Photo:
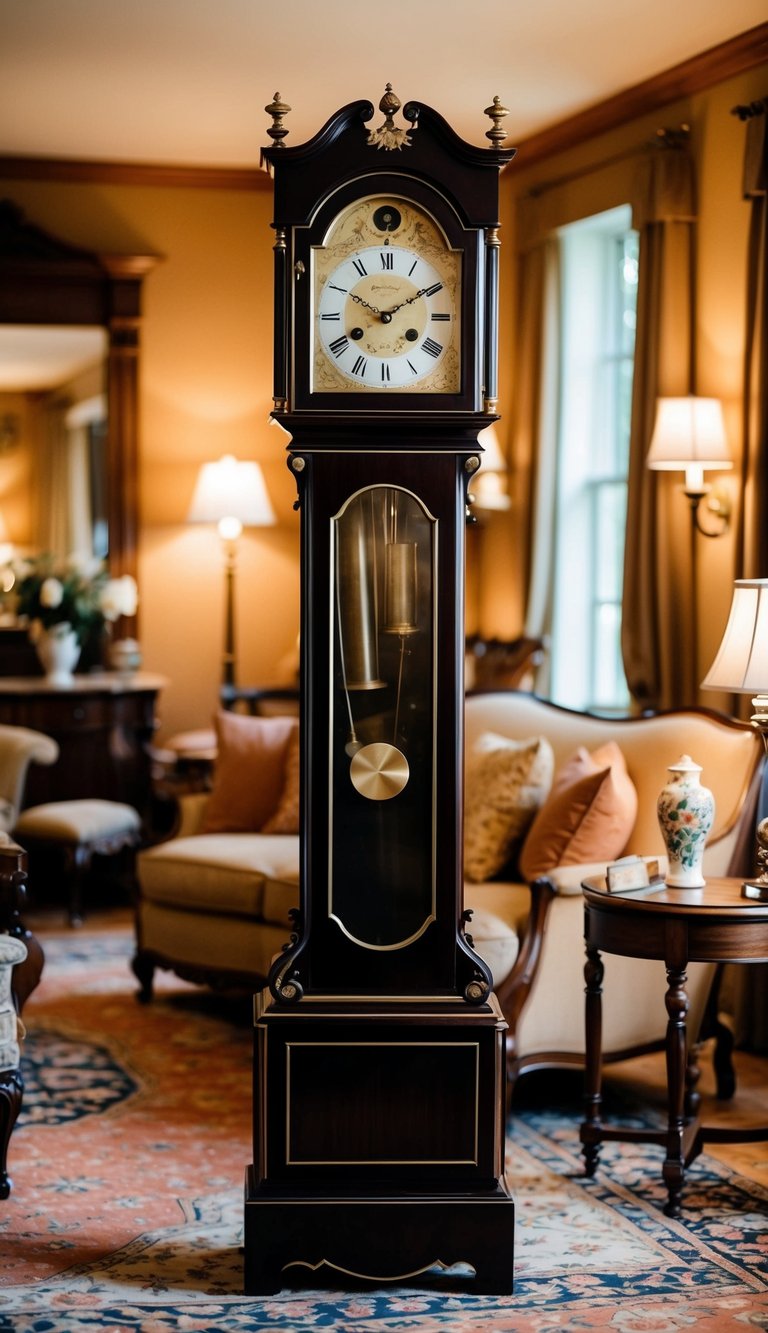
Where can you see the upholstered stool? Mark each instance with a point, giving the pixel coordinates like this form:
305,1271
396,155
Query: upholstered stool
82,829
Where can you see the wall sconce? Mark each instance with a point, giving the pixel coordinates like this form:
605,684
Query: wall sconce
489,486
741,667
689,436
233,495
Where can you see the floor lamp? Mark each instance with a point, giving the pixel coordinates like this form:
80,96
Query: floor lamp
233,495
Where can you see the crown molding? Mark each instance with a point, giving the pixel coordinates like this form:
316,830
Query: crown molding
746,51
133,173
713,66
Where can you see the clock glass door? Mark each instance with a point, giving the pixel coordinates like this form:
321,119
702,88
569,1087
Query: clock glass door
382,735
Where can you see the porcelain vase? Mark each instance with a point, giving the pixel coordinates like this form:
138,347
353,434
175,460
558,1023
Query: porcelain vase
59,650
685,811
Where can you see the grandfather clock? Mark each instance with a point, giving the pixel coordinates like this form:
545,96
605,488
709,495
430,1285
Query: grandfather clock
379,1046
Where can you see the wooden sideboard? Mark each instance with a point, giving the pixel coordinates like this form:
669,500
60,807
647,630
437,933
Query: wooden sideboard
103,724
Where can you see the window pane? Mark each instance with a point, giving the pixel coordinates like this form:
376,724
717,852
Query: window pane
599,264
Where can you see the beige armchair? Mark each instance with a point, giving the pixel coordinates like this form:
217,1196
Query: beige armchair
20,747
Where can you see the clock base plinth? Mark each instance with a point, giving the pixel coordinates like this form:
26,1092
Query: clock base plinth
378,1145
380,1240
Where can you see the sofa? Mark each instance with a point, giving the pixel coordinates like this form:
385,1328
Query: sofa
214,900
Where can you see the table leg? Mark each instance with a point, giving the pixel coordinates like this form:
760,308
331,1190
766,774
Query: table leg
676,1000
591,1126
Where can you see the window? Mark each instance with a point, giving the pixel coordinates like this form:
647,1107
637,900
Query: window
598,258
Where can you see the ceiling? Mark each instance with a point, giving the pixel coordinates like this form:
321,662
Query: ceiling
185,82
42,357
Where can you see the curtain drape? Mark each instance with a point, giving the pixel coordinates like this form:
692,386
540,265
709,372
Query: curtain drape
52,480
658,614
752,535
539,407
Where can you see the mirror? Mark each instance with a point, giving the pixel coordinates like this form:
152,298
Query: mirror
86,306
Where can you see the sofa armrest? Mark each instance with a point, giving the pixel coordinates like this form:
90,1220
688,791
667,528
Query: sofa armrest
191,812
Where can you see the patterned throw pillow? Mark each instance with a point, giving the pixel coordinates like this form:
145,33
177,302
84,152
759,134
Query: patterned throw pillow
506,783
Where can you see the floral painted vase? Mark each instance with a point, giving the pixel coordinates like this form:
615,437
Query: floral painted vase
59,650
685,810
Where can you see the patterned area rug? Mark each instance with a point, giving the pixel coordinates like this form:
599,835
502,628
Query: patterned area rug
128,1162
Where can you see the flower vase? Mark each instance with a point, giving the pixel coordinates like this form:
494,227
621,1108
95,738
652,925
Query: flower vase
685,811
59,650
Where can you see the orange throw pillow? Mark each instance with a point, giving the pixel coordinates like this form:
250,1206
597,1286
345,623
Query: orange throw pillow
588,816
249,772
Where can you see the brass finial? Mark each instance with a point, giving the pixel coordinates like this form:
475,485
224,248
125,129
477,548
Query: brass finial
277,109
388,136
497,112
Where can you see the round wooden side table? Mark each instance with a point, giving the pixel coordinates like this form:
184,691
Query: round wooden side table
714,924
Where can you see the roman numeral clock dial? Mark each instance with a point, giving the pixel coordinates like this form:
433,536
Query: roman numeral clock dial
386,313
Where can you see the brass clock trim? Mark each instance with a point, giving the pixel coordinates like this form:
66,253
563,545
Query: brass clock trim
435,532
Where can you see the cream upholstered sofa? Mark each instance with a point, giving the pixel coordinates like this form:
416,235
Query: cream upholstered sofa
214,906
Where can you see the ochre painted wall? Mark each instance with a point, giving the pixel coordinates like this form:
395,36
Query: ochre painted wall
206,390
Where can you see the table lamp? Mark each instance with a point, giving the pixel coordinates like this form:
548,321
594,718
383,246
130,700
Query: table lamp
233,495
741,667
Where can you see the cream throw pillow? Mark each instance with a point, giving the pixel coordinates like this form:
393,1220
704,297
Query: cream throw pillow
506,783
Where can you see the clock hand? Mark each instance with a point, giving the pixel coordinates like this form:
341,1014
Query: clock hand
425,291
374,309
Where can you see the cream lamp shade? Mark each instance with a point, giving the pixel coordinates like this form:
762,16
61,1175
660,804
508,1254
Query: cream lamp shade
741,667
489,485
232,494
741,663
689,436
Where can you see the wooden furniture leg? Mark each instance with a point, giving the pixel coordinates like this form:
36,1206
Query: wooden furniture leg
591,1128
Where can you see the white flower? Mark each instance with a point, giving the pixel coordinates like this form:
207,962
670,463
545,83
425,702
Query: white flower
119,597
51,593
85,565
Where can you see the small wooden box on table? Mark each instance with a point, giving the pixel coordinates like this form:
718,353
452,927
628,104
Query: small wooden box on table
713,924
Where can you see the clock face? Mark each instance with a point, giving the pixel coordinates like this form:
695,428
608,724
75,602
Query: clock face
386,303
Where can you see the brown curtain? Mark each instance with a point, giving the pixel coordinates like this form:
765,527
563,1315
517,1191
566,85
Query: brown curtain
658,620
752,537
538,420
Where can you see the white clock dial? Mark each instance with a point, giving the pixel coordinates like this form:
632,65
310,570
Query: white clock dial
385,318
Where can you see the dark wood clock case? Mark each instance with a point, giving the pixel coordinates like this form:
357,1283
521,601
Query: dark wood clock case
379,1046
